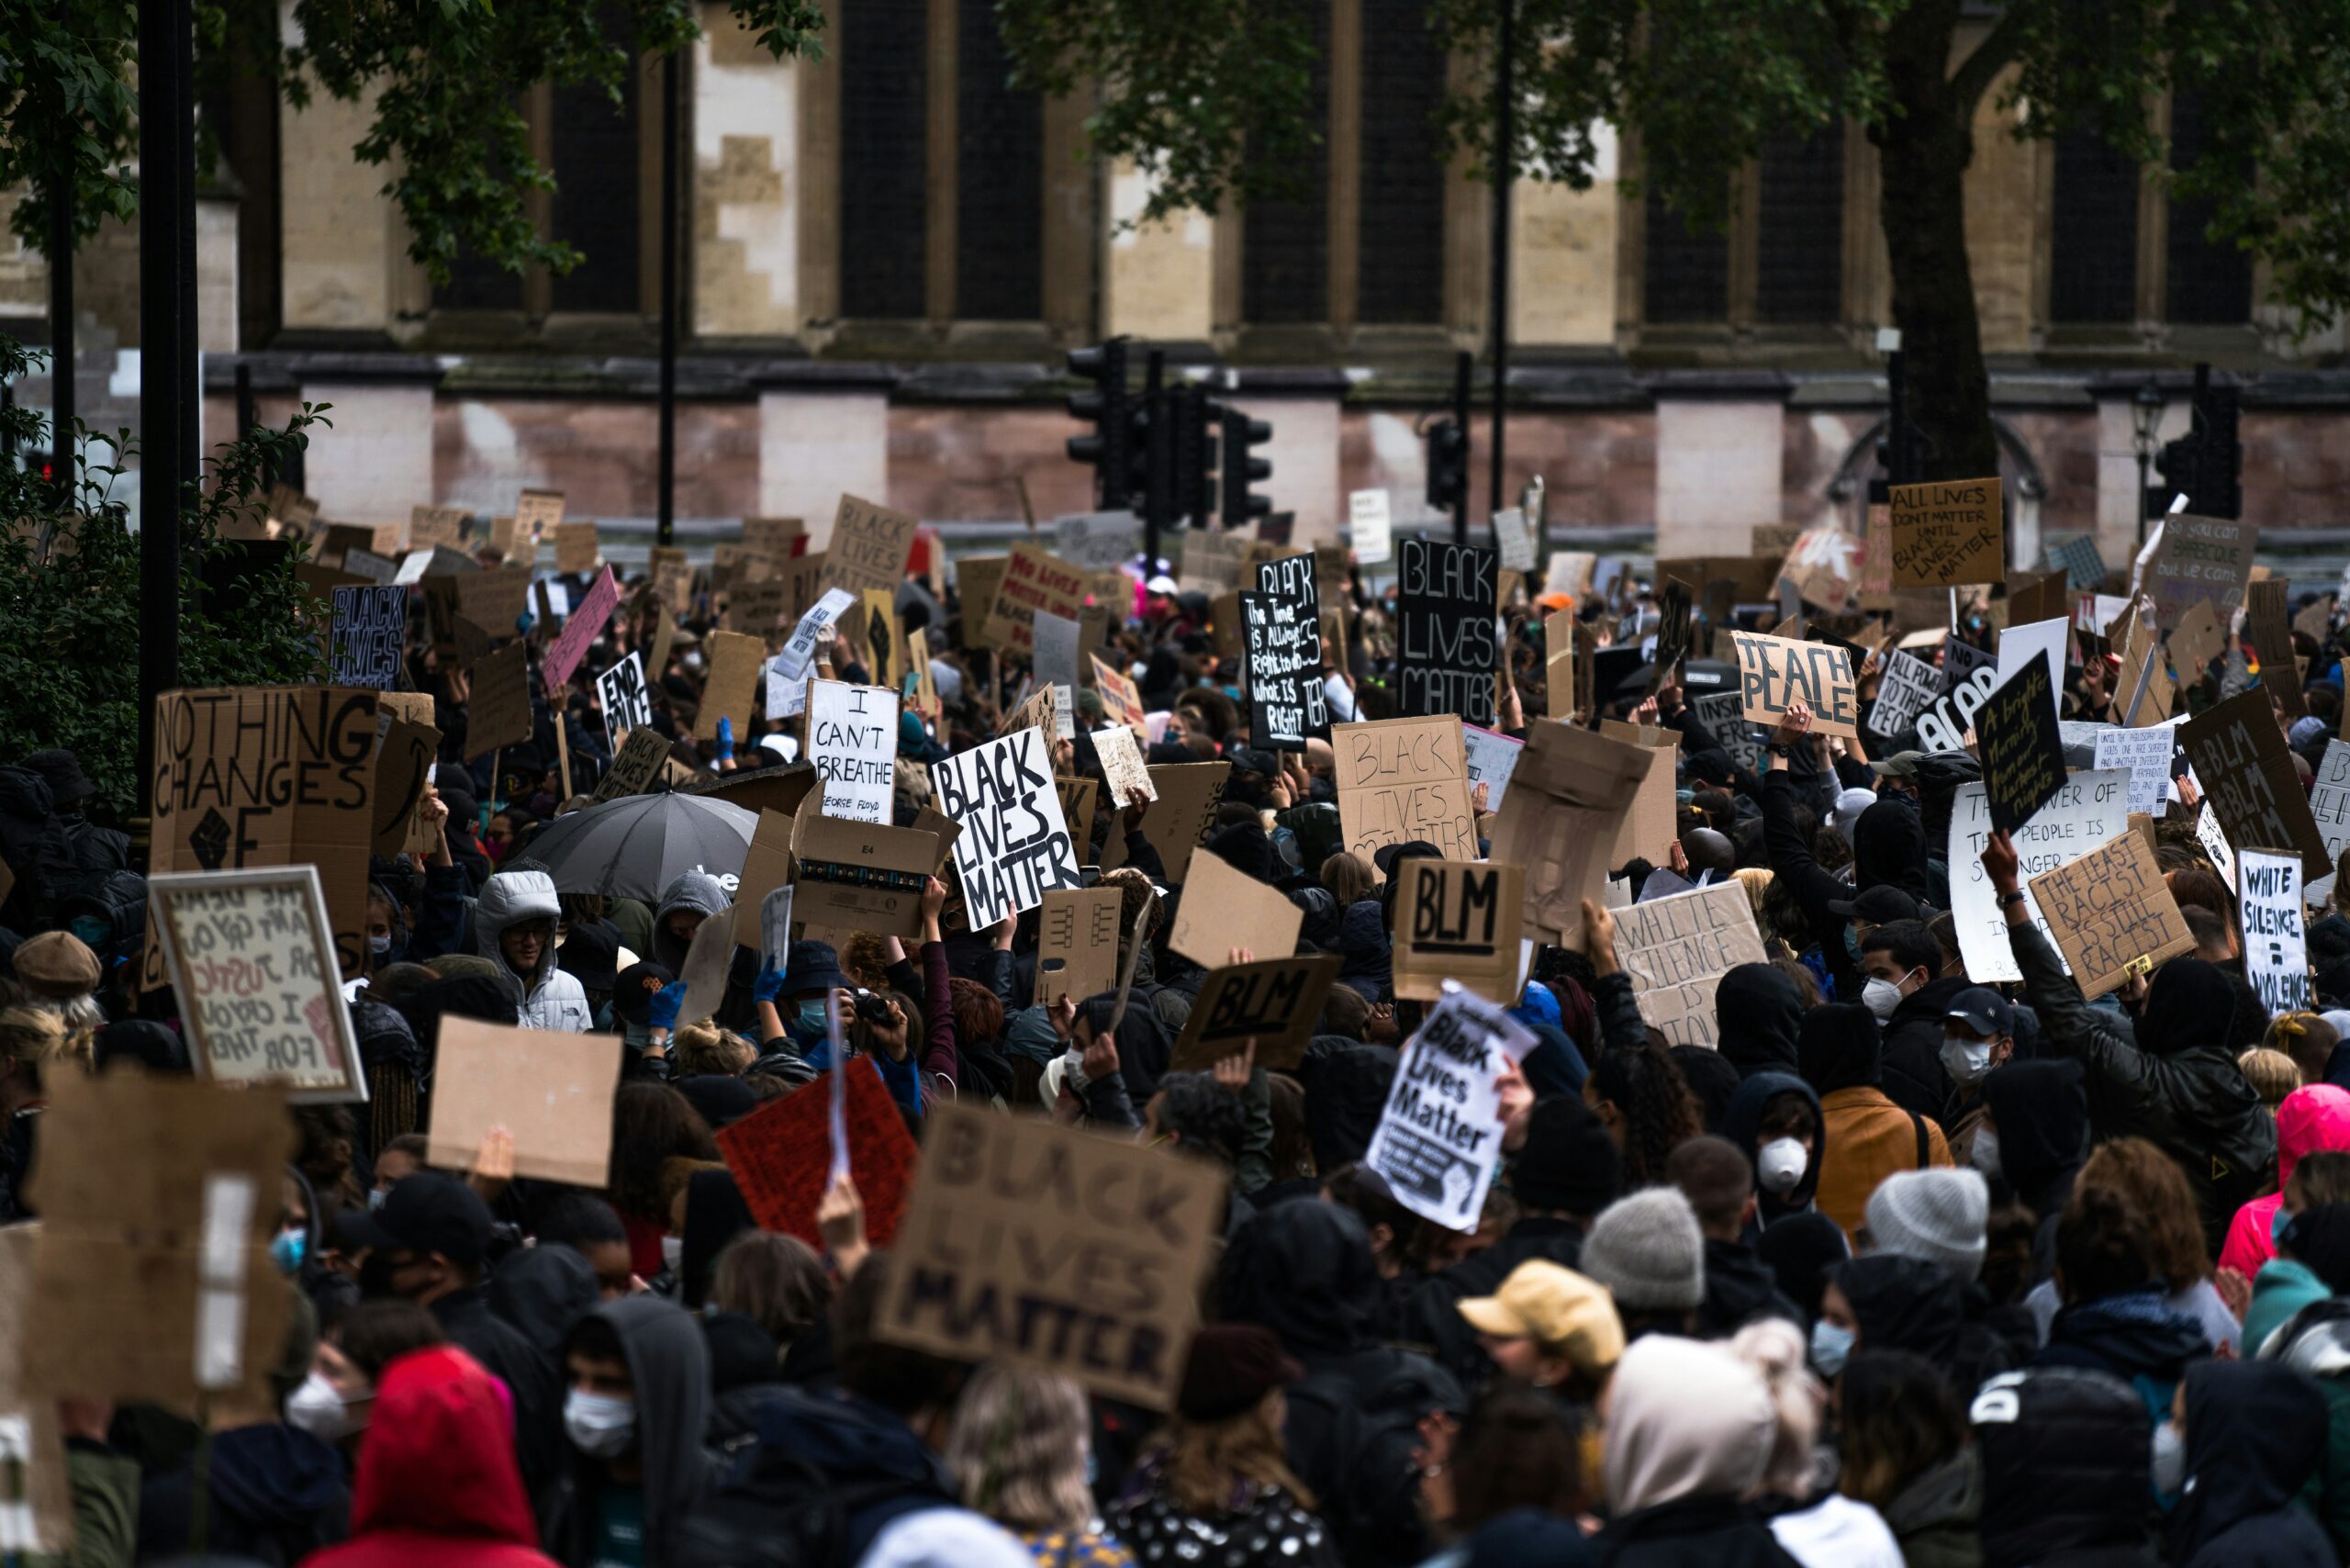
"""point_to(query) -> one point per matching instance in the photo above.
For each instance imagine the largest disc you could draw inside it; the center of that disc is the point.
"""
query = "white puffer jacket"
(552, 999)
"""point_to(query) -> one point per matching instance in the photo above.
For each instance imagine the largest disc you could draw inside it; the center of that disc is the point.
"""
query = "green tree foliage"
(70, 622)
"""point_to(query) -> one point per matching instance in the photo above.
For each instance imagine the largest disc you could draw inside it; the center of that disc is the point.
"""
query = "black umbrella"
(635, 846)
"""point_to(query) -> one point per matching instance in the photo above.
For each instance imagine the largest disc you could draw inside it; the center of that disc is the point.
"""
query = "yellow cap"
(1556, 1308)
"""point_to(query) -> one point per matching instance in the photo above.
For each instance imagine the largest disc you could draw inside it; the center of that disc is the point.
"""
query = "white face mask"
(1779, 1164)
(1968, 1061)
(1881, 997)
(317, 1407)
(673, 1252)
(598, 1425)
(1985, 1154)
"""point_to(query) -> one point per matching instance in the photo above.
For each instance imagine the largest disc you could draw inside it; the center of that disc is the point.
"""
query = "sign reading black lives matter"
(1014, 844)
(370, 634)
(627, 705)
(1444, 653)
(1295, 641)
(1440, 1136)
(1281, 680)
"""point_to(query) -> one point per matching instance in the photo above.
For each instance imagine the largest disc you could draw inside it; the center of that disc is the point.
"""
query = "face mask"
(1881, 997)
(673, 1252)
(92, 931)
(2278, 1224)
(1985, 1155)
(496, 848)
(1831, 1347)
(375, 1278)
(808, 1018)
(286, 1250)
(2170, 1459)
(1966, 1060)
(317, 1409)
(375, 1196)
(1779, 1164)
(598, 1424)
(1853, 943)
(379, 946)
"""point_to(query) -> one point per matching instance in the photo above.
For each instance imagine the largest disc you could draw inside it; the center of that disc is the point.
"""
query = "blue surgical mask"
(2278, 1224)
(1831, 1347)
(94, 931)
(286, 1250)
(1852, 942)
(808, 1017)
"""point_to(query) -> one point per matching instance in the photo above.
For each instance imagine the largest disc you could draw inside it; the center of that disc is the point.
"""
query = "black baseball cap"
(1881, 905)
(1983, 1010)
(428, 1212)
(633, 990)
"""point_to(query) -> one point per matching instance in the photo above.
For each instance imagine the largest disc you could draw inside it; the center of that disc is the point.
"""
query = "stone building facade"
(888, 254)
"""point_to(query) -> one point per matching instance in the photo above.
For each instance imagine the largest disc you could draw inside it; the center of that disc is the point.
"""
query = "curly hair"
(1901, 1419)
(1519, 1448)
(1134, 895)
(977, 1013)
(1205, 1115)
(866, 959)
(2151, 1182)
(1659, 1114)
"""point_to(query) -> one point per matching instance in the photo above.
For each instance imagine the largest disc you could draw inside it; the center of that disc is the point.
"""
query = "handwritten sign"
(1014, 844)
(251, 960)
(1909, 687)
(2200, 558)
(581, 629)
(1439, 1140)
(2146, 754)
(2022, 750)
(1458, 920)
(1281, 680)
(1724, 715)
(2330, 799)
(2090, 808)
(1400, 779)
(1774, 673)
(868, 547)
(2276, 946)
(1274, 1001)
(1032, 580)
(2112, 913)
(1123, 765)
(853, 741)
(1445, 649)
(639, 764)
(1097, 1250)
(1371, 527)
(1678, 947)
(369, 636)
(1077, 944)
(1215, 560)
(1946, 533)
(2247, 775)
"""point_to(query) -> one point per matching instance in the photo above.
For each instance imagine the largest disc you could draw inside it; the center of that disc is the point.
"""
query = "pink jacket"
(2310, 1119)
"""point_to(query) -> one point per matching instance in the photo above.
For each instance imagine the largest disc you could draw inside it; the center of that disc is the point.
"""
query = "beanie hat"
(1569, 1162)
(1230, 1367)
(1648, 1252)
(1938, 1216)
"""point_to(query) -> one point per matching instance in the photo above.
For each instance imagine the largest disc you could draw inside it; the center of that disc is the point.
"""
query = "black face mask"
(375, 1278)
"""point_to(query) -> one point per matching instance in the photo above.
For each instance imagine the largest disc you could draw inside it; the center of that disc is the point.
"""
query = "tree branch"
(1998, 50)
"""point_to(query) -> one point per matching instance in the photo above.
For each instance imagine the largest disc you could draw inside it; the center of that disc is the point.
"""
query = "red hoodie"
(437, 1479)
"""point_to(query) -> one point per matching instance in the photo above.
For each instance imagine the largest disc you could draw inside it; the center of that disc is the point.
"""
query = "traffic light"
(1242, 504)
(1196, 416)
(2180, 464)
(2221, 491)
(1447, 466)
(1107, 448)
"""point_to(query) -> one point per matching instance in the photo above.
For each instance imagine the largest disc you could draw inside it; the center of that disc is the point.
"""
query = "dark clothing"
(1740, 1288)
(277, 1494)
(2065, 1459)
(2043, 1113)
(1742, 1123)
(2133, 1336)
(510, 1354)
(1756, 1009)
(668, 1361)
(1914, 1077)
(1812, 889)
(1434, 1319)
(812, 1446)
(1703, 1532)
(2255, 1431)
(1266, 1530)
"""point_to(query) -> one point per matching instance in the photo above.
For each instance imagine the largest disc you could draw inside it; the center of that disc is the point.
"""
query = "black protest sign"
(1295, 641)
(1445, 652)
(2248, 778)
(1014, 844)
(1282, 674)
(1672, 635)
(2022, 750)
(1274, 1001)
(1909, 688)
(369, 635)
(1458, 920)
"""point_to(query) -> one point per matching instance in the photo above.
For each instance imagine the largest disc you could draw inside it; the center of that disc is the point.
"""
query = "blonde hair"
(1350, 878)
(702, 1048)
(1756, 880)
(2271, 1074)
(1017, 1449)
(1776, 1349)
(41, 1039)
(1204, 1459)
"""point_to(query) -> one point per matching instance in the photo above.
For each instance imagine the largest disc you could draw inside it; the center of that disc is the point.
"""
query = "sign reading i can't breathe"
(853, 741)
(1014, 844)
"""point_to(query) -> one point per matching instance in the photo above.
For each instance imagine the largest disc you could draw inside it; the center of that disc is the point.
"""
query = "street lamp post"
(2145, 432)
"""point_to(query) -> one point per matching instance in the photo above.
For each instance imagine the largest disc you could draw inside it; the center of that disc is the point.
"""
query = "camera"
(871, 1005)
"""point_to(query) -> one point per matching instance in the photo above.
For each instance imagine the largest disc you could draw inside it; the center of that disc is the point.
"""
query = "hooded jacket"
(2311, 1118)
(1868, 1137)
(1812, 887)
(2131, 1335)
(1889, 847)
(1688, 1432)
(541, 1291)
(436, 1481)
(1368, 958)
(696, 893)
(669, 1362)
(2254, 1432)
(277, 1496)
(2042, 1115)
(2316, 1344)
(1756, 1009)
(1742, 1125)
(2064, 1455)
(2173, 1080)
(1914, 1077)
(550, 998)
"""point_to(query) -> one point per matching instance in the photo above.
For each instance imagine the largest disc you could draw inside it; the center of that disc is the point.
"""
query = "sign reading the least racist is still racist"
(2110, 913)
(1946, 533)
(1445, 649)
(1013, 845)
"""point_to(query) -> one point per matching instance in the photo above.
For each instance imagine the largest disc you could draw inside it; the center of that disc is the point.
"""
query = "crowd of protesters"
(1910, 1270)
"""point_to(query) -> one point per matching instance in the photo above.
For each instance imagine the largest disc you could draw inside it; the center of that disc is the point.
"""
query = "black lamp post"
(2145, 436)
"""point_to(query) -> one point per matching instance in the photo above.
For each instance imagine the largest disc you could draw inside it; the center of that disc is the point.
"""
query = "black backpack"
(1367, 1486)
(786, 1513)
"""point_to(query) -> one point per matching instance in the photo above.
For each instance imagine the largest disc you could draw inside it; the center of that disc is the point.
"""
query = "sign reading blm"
(1444, 653)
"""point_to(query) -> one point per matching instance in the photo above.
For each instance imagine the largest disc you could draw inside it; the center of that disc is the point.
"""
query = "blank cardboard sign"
(553, 1091)
(1223, 909)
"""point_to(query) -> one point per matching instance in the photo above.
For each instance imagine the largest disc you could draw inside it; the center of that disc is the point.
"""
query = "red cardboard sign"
(781, 1154)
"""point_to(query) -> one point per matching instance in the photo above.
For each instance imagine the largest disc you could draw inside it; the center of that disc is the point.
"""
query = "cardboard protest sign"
(428, 526)
(782, 1155)
(2268, 622)
(1438, 1141)
(252, 962)
(1032, 580)
(1121, 703)
(2247, 775)
(1491, 757)
(497, 712)
(1445, 648)
(1947, 532)
(1067, 1210)
(1566, 800)
(369, 636)
(1458, 920)
(2200, 558)
(1077, 811)
(575, 548)
(1223, 909)
(1399, 779)
(1647, 829)
(1677, 949)
(1371, 528)
(1514, 538)
(1274, 1001)
(637, 765)
(977, 578)
(884, 643)
(1724, 715)
(1559, 663)
(2330, 799)
(2197, 638)
(1077, 944)
(404, 761)
(853, 741)
(852, 876)
(580, 629)
(1908, 687)
(537, 513)
(1037, 709)
(2090, 808)
(2022, 752)
(2110, 913)
(869, 546)
(1215, 560)
(493, 600)
(268, 776)
(2078, 557)
(1823, 566)
(152, 1275)
(626, 703)
(1774, 673)
(551, 1089)
(1188, 794)
(2142, 689)
(673, 576)
(766, 866)
(1123, 765)
(36, 1509)
(736, 659)
(2275, 944)
(2145, 754)
(1014, 843)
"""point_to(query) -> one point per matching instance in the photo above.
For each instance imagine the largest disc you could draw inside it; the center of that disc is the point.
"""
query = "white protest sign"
(1514, 536)
(1371, 527)
(626, 704)
(2089, 809)
(1014, 844)
(1064, 711)
(2214, 839)
(1943, 726)
(2329, 804)
(1678, 946)
(1493, 757)
(1909, 687)
(853, 741)
(412, 567)
(2147, 753)
(1055, 659)
(2019, 645)
(1440, 1136)
(1123, 765)
(2276, 949)
(800, 651)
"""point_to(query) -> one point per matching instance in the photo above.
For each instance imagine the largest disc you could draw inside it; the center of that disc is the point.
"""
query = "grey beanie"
(1648, 1252)
(1938, 1217)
